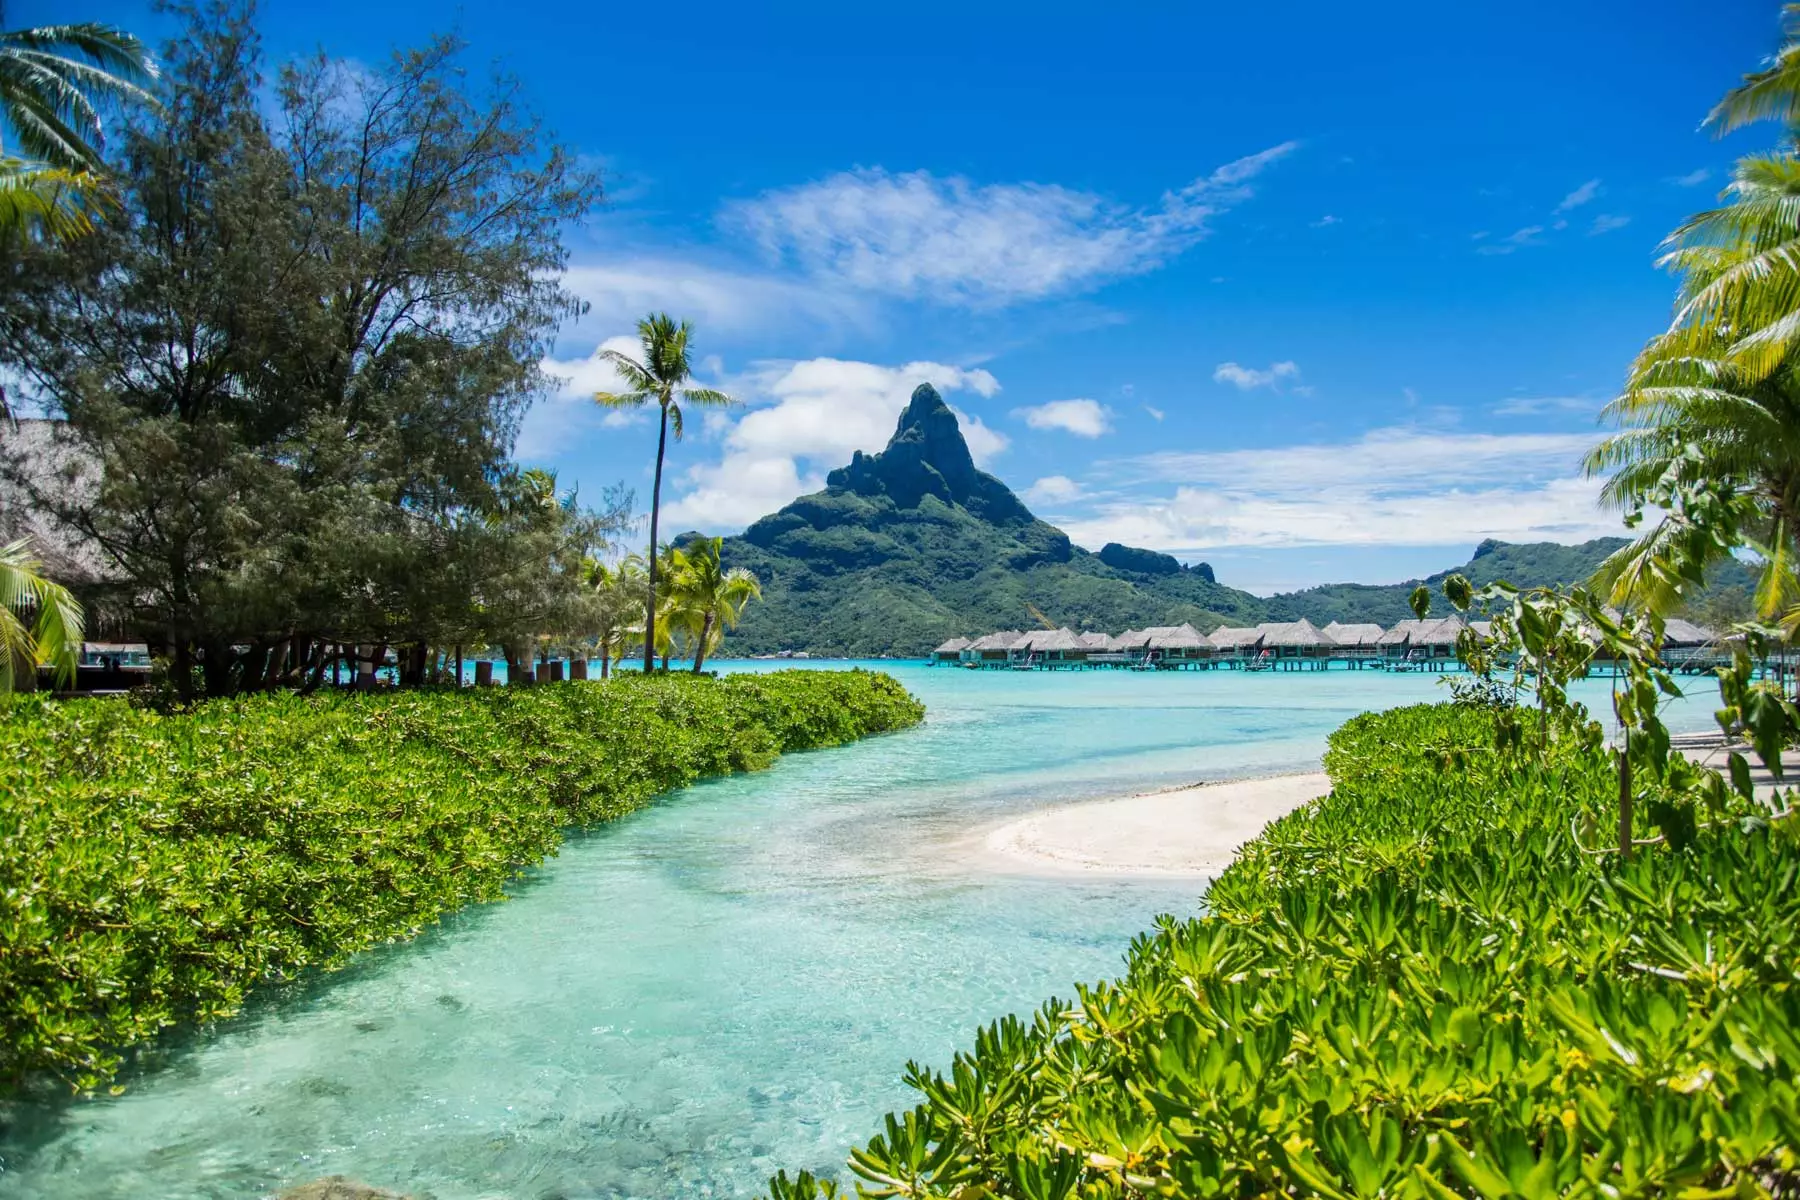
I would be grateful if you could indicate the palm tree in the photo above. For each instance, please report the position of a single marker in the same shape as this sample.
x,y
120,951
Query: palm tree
x,y
662,377
618,591
712,596
54,636
54,81
1716,396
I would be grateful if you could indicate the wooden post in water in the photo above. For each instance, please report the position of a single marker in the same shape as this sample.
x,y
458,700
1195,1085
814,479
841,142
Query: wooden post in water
x,y
578,668
484,672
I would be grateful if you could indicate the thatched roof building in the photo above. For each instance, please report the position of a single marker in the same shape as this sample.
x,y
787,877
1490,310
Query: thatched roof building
x,y
1401,635
1365,636
1677,632
1096,642
1227,638
1132,640
950,650
1047,641
993,644
1298,636
1178,639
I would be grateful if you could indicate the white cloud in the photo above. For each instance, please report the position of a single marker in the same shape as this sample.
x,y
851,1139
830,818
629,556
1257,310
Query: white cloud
x,y
1527,236
569,411
1400,486
717,299
1579,196
1693,178
1326,221
1156,414
1083,418
1607,222
1053,489
951,240
1246,378
805,419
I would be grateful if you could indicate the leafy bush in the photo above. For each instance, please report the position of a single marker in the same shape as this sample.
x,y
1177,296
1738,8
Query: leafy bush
x,y
1422,985
157,867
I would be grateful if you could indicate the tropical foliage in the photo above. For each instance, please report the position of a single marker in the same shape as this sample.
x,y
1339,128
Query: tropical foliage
x,y
159,867
55,81
1716,396
53,635
366,263
1426,984
706,598
663,377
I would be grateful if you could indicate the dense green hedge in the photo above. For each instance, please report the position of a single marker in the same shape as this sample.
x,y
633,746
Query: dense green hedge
x,y
1423,985
153,868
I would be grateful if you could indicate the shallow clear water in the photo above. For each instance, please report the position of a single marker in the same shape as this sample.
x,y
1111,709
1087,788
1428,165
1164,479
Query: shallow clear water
x,y
728,982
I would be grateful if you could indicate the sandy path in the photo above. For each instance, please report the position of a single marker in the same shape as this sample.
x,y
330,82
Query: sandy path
x,y
1191,831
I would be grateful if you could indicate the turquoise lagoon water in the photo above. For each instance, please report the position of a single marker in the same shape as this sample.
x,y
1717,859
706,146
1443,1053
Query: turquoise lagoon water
x,y
725,983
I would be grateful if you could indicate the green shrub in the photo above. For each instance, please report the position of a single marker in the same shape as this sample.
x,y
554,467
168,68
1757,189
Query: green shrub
x,y
1422,985
157,867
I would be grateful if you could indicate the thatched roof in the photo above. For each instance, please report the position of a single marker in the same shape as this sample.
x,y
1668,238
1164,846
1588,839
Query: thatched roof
x,y
995,641
1354,635
1677,632
1442,632
1179,637
1044,640
1301,634
37,456
1132,639
1227,638
952,646
1403,633
1095,641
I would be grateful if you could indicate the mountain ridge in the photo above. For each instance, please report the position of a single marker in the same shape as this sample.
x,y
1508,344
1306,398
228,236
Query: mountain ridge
x,y
915,544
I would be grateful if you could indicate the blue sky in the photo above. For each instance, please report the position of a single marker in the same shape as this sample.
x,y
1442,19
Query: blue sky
x,y
1310,291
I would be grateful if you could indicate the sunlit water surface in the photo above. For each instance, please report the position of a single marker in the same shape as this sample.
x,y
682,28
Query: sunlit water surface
x,y
725,983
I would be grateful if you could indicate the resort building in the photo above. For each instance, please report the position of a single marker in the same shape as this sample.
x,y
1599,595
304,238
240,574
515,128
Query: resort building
x,y
1048,648
1236,643
1355,642
950,651
992,649
1295,643
1179,646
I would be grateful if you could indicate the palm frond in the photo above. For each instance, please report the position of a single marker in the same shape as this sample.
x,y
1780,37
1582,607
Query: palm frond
x,y
49,202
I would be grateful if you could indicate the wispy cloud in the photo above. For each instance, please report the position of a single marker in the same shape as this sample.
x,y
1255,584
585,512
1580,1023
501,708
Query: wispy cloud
x,y
1326,221
1083,418
1246,378
1532,406
804,419
1398,486
1514,241
1156,414
1579,196
1693,178
1607,222
718,298
953,241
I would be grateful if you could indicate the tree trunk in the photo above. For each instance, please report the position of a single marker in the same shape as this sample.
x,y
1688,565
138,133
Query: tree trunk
x,y
605,660
459,664
1625,798
662,439
700,650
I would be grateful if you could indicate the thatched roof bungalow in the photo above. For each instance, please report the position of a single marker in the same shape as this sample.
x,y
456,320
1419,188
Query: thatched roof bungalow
x,y
1132,641
991,648
1179,643
1048,645
1296,639
1687,635
950,651
1396,640
1354,636
1095,643
1240,643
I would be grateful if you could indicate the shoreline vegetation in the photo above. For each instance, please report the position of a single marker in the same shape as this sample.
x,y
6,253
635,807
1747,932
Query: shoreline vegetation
x,y
159,867
1428,983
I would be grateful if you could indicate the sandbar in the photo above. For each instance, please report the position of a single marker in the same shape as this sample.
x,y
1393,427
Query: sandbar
x,y
1190,831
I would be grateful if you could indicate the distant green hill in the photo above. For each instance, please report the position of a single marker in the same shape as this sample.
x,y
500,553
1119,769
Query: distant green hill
x,y
912,546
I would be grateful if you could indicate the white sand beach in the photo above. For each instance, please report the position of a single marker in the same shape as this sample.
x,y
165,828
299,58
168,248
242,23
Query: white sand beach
x,y
1191,831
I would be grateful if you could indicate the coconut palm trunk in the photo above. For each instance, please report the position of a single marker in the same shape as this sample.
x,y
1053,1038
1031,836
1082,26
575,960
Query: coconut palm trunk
x,y
706,628
662,442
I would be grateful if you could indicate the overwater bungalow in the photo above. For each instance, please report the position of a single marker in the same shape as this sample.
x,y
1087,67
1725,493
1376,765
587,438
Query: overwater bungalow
x,y
1294,643
990,651
1047,648
1235,643
1396,643
1095,643
1356,642
950,651
1180,646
